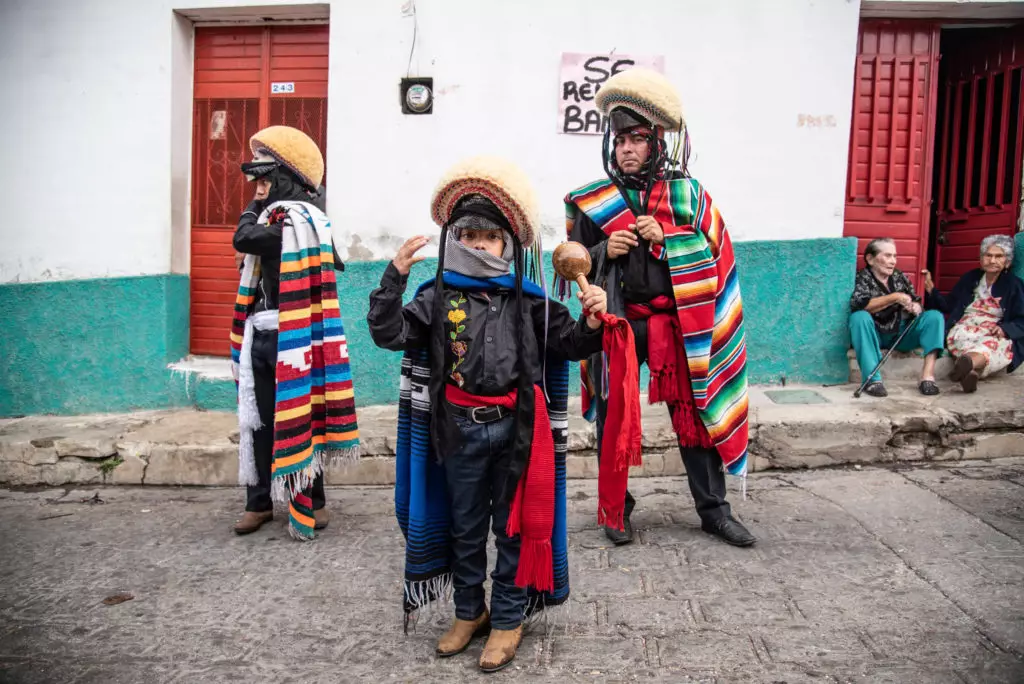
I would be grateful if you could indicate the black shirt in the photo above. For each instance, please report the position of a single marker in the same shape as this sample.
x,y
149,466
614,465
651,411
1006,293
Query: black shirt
x,y
644,277
485,348
866,287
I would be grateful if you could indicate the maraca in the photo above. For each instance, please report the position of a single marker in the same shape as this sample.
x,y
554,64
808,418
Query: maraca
x,y
572,261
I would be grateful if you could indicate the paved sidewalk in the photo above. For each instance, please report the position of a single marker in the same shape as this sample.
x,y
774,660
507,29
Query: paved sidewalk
x,y
913,574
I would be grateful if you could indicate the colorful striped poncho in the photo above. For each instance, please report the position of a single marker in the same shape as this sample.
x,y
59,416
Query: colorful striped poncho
x,y
707,293
315,414
421,499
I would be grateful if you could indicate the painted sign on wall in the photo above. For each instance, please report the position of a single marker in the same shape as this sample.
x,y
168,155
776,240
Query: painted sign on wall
x,y
582,76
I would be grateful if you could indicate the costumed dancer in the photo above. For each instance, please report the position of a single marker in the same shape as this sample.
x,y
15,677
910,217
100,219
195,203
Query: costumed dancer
x,y
660,248
296,407
483,422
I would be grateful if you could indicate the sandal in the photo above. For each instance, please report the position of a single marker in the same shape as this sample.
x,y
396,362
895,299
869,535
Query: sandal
x,y
928,388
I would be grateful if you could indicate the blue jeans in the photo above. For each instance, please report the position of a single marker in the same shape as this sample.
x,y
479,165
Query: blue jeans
x,y
473,482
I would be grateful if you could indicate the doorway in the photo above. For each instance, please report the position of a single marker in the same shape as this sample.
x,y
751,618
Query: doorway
x,y
246,78
978,146
936,141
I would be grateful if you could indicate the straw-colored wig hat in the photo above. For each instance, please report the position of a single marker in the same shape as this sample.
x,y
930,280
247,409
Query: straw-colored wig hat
x,y
500,181
294,149
645,92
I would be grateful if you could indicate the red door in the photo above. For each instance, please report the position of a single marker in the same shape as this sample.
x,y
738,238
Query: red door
x,y
245,79
981,147
889,177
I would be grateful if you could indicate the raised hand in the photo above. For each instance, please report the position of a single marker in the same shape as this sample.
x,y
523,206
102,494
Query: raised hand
x,y
407,256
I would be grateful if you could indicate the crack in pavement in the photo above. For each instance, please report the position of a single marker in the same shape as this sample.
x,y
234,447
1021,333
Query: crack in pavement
x,y
978,628
943,497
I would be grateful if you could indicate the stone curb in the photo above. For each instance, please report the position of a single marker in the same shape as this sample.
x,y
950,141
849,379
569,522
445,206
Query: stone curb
x,y
200,448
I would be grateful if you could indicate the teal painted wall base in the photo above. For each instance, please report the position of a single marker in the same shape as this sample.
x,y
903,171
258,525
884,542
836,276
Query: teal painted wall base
x,y
85,346
796,303
796,298
116,336
1018,256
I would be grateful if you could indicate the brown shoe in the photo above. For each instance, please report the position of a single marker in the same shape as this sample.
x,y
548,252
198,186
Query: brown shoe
x,y
322,516
961,367
500,649
456,640
253,521
970,382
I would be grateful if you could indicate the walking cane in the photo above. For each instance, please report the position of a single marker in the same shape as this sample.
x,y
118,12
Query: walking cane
x,y
867,378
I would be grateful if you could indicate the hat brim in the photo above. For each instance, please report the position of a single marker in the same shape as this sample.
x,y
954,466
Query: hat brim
x,y
255,170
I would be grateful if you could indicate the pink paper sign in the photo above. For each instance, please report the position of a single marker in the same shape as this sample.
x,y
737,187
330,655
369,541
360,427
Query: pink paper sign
x,y
582,75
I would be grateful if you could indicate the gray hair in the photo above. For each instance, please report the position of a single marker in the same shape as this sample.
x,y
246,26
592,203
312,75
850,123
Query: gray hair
x,y
874,247
1003,242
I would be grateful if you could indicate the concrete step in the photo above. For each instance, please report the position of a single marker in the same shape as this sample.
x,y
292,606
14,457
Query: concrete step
x,y
791,427
901,366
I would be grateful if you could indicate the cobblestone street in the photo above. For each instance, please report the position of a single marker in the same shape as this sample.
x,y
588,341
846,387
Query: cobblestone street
x,y
908,575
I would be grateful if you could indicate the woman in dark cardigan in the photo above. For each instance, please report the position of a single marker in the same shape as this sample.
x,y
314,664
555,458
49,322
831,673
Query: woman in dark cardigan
x,y
984,315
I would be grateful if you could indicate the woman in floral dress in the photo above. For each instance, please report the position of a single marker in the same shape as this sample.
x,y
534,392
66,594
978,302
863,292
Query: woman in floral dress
x,y
984,315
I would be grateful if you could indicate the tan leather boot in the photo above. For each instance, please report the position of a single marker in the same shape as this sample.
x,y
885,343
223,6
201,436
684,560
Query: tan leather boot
x,y
456,640
253,521
500,649
322,517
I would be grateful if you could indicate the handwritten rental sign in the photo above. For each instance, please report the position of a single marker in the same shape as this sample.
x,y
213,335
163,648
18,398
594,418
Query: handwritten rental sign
x,y
582,76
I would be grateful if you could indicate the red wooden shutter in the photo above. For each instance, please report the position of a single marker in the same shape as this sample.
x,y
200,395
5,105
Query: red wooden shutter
x,y
889,178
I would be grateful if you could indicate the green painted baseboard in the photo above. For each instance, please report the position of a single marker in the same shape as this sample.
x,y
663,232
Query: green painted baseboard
x,y
1018,256
84,346
116,336
796,303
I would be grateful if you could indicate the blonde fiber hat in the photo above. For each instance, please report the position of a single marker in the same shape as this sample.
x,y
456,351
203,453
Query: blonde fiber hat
x,y
501,182
645,92
294,149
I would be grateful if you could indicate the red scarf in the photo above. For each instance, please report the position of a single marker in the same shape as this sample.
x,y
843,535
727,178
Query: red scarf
x,y
670,375
620,444
532,512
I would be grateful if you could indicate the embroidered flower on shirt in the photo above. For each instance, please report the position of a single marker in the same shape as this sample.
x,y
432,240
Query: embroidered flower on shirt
x,y
459,347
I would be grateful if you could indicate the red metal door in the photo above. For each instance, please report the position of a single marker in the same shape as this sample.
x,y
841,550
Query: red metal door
x,y
980,161
245,79
890,167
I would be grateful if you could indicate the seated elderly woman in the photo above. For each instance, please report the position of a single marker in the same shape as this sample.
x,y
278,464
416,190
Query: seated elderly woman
x,y
984,315
883,304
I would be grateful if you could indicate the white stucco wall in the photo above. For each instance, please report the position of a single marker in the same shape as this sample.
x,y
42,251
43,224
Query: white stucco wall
x,y
746,71
86,151
103,105
97,121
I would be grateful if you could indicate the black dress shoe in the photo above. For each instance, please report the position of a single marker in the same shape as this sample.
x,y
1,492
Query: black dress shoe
x,y
625,536
620,537
730,530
